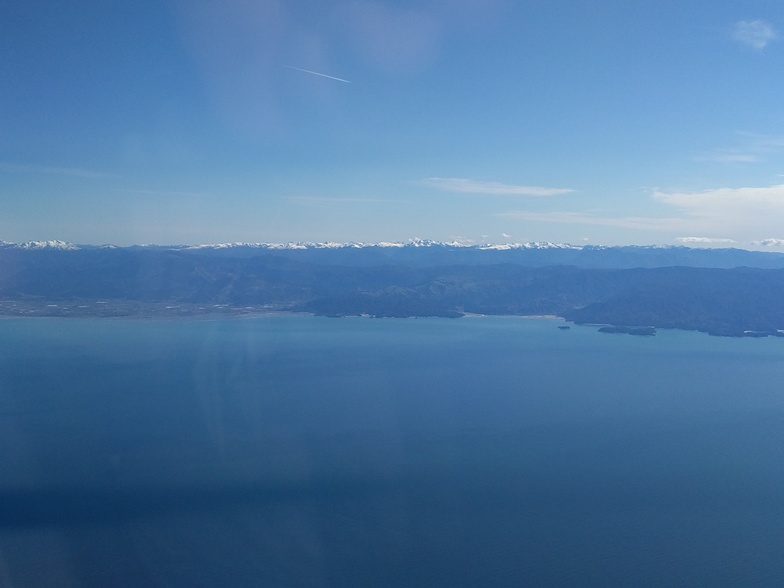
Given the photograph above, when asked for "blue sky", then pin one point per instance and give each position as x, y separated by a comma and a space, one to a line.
480, 121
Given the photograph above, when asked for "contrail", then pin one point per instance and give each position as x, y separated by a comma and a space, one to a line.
315, 73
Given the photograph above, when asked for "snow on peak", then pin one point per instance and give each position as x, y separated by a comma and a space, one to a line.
411, 243
533, 245
56, 244
415, 242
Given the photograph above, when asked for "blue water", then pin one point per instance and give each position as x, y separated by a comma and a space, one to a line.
306, 451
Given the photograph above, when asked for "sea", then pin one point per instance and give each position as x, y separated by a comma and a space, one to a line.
293, 450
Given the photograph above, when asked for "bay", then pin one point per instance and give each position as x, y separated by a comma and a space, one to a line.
304, 451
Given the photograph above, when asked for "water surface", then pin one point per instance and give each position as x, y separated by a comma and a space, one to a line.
306, 451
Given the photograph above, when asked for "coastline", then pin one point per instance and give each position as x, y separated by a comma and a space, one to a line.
167, 311
131, 310
523, 316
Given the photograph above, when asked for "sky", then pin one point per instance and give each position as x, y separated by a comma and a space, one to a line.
476, 121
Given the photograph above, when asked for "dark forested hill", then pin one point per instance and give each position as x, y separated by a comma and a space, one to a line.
619, 286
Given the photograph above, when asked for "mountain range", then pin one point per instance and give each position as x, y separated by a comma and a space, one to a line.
720, 291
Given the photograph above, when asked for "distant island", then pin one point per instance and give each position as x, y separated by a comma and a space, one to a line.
632, 290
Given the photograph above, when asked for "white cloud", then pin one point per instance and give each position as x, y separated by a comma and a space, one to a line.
721, 202
739, 214
706, 240
754, 33
770, 242
464, 185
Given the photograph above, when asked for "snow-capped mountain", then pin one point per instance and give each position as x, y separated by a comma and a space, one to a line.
56, 244
428, 253
412, 243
